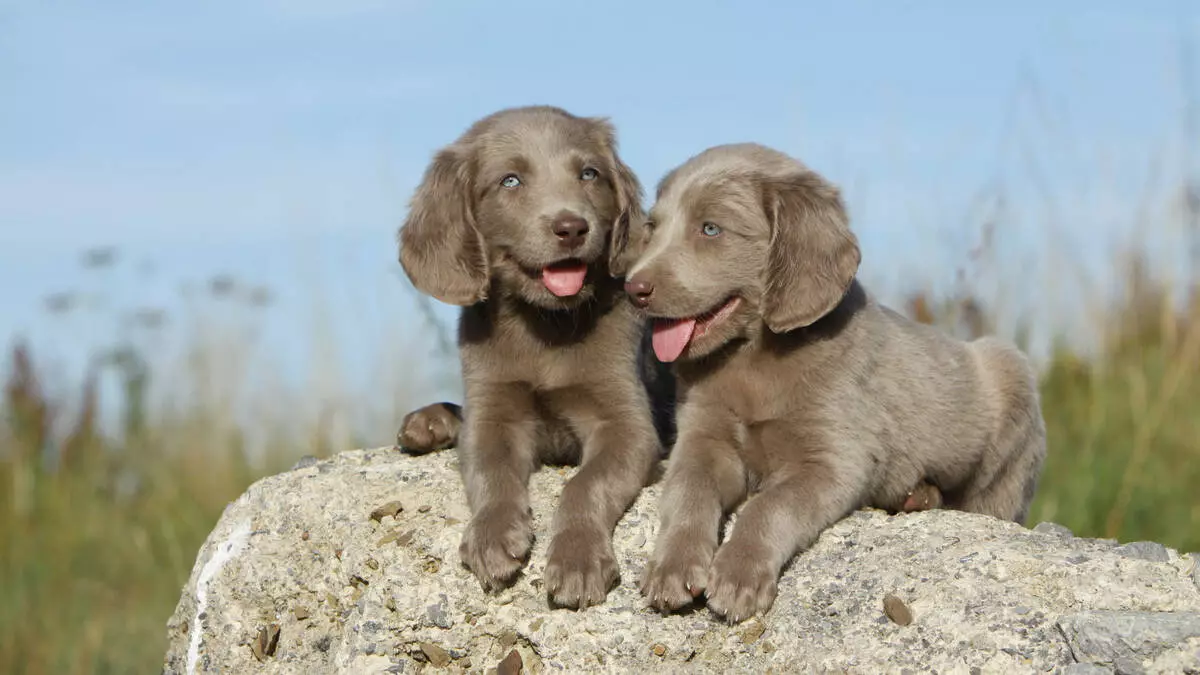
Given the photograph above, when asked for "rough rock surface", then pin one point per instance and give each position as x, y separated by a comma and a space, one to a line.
351, 565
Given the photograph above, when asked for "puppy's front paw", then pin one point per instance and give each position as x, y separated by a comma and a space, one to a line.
496, 544
742, 583
580, 568
433, 427
676, 575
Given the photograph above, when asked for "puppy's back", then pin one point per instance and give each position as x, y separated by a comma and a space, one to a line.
986, 428
919, 395
1010, 380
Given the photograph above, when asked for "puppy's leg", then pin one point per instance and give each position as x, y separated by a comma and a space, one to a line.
802, 499
433, 427
1007, 476
705, 479
497, 455
617, 457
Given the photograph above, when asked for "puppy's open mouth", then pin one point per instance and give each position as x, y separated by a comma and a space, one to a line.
564, 278
672, 336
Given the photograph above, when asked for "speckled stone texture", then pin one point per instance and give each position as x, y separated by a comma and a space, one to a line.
299, 577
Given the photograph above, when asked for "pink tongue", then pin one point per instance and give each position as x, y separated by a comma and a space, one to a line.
564, 281
671, 337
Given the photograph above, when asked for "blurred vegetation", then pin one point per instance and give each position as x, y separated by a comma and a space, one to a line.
98, 530
100, 522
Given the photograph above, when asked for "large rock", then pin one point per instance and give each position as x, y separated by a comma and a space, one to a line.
351, 565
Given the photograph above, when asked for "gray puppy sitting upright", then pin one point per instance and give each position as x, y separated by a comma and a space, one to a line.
798, 393
512, 222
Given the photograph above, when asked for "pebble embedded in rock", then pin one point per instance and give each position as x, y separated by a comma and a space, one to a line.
896, 610
304, 462
1046, 527
392, 509
436, 613
1144, 550
437, 656
659, 650
510, 665
1126, 639
1085, 669
752, 631
266, 642
300, 613
506, 639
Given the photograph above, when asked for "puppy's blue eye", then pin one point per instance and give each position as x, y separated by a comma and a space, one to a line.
589, 174
710, 229
510, 181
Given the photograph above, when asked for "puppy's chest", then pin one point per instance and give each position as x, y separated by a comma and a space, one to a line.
603, 354
755, 396
764, 421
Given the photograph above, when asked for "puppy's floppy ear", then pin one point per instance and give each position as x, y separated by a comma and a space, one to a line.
621, 251
441, 249
813, 254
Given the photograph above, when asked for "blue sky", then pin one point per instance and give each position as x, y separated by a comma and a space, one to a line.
279, 141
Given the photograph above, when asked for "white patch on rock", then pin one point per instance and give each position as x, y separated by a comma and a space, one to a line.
226, 551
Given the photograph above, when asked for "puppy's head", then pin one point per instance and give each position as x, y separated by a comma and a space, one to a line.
740, 236
525, 201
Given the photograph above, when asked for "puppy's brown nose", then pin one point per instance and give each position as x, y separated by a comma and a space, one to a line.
639, 290
570, 230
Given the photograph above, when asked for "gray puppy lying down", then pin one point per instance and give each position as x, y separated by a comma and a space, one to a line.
799, 394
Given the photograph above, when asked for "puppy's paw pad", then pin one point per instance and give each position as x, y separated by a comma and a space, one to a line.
426, 429
580, 568
676, 578
742, 583
496, 544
